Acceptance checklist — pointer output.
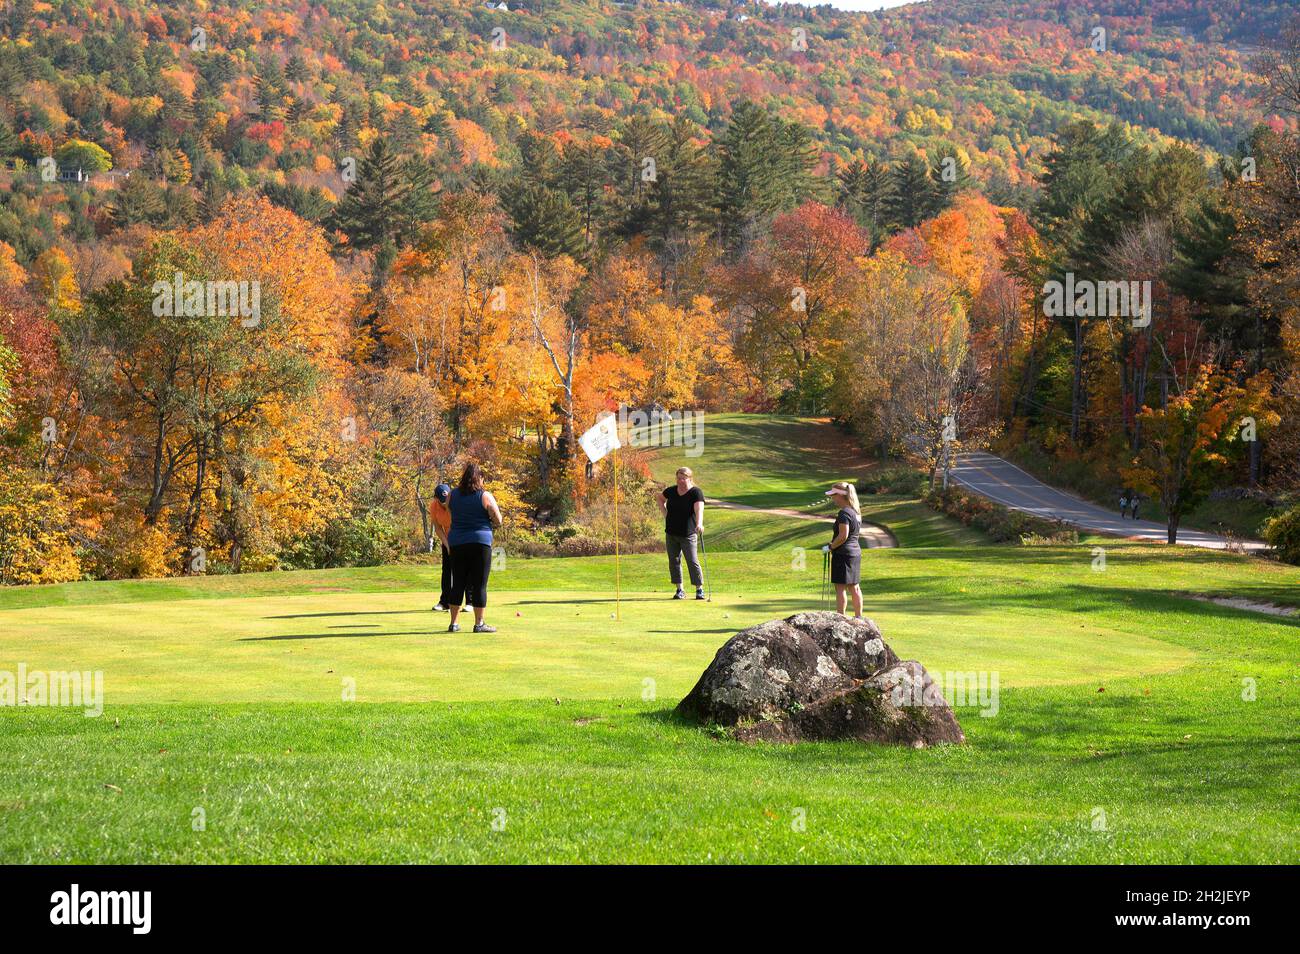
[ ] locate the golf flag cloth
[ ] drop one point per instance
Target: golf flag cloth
(597, 443)
(601, 439)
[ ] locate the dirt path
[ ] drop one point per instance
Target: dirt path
(874, 536)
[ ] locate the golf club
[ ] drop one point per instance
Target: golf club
(826, 568)
(704, 561)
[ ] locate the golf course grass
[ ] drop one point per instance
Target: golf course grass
(328, 716)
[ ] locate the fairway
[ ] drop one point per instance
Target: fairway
(328, 716)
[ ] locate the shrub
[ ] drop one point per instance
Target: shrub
(34, 542)
(895, 480)
(1282, 533)
(370, 538)
(1001, 523)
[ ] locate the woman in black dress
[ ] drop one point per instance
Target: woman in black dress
(845, 548)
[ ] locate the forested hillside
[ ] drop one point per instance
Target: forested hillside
(209, 98)
(269, 269)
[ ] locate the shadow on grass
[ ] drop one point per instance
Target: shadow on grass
(667, 717)
(609, 600)
(358, 613)
(295, 636)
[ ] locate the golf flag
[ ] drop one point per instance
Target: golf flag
(601, 439)
(597, 443)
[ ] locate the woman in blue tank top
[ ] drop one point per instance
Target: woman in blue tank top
(474, 513)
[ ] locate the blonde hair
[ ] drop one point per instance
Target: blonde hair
(685, 472)
(846, 488)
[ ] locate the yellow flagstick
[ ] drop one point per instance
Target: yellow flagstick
(617, 578)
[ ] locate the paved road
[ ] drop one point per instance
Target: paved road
(1005, 483)
(873, 536)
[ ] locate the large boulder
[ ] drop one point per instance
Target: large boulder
(820, 676)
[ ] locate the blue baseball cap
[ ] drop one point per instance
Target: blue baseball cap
(442, 492)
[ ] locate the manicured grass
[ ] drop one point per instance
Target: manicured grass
(744, 530)
(255, 731)
(767, 460)
(1118, 697)
(774, 461)
(562, 643)
(1182, 769)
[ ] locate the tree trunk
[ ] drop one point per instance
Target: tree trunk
(543, 455)
(158, 485)
(568, 434)
(195, 509)
(1076, 391)
(425, 528)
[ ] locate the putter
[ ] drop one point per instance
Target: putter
(704, 560)
(826, 568)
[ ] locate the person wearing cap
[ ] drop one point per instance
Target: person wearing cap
(845, 547)
(683, 510)
(440, 516)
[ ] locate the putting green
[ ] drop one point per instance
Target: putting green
(391, 648)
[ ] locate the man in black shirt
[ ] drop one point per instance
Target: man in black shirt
(683, 508)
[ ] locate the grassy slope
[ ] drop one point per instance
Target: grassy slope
(788, 462)
(205, 712)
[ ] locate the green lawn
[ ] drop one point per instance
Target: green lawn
(773, 461)
(767, 460)
(1118, 698)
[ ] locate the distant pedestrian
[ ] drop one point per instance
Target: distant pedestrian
(1123, 504)
(1133, 502)
(474, 513)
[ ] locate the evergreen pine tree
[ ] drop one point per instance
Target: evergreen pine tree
(680, 200)
(421, 205)
(949, 174)
(910, 193)
(584, 175)
(370, 212)
(539, 160)
(749, 173)
(138, 200)
(865, 194)
(545, 219)
(8, 139)
(1210, 269)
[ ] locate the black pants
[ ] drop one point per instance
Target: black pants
(444, 597)
(470, 563)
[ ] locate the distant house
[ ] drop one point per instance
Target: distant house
(740, 17)
(497, 6)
